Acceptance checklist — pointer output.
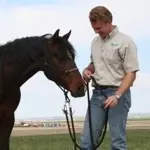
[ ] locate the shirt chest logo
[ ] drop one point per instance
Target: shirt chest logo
(114, 44)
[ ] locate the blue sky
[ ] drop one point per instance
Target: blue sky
(41, 97)
(143, 46)
(37, 2)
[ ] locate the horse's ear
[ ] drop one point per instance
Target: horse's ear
(66, 36)
(56, 34)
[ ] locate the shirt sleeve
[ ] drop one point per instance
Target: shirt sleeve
(130, 61)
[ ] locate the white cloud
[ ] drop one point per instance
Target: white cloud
(140, 93)
(132, 17)
(41, 97)
(142, 81)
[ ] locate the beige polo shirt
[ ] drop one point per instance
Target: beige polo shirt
(113, 57)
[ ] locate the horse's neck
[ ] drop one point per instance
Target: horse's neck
(25, 61)
(32, 53)
(34, 64)
(31, 71)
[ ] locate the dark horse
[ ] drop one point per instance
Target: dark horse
(21, 59)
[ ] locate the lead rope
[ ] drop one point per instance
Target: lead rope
(73, 135)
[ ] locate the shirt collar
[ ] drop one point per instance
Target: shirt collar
(113, 32)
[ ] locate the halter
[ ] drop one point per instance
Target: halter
(65, 72)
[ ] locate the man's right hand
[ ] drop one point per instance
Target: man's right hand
(86, 75)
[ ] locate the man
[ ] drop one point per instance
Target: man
(114, 65)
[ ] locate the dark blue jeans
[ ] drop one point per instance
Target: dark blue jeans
(117, 118)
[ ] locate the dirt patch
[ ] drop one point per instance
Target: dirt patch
(29, 131)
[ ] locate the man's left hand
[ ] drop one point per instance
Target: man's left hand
(111, 102)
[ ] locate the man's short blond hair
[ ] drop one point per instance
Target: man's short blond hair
(100, 13)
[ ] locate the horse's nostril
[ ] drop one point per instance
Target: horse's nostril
(80, 88)
(79, 92)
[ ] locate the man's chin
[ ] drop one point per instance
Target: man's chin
(103, 36)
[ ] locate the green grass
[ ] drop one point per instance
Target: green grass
(137, 140)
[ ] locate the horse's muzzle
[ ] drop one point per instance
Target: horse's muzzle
(80, 92)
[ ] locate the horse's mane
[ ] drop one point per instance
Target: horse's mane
(21, 44)
(33, 44)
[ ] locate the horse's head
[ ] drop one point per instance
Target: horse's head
(60, 65)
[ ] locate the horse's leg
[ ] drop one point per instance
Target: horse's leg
(6, 126)
(7, 108)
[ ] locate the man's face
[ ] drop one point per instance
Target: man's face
(102, 28)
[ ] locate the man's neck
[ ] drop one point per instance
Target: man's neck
(112, 27)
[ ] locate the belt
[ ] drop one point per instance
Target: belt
(105, 86)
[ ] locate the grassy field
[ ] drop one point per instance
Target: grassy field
(137, 140)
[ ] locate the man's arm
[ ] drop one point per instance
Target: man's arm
(126, 83)
(90, 67)
(131, 66)
(87, 72)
